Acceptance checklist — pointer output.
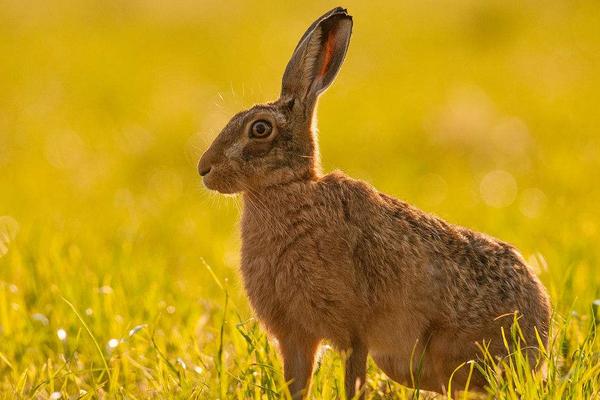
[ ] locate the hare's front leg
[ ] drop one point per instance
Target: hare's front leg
(298, 352)
(356, 370)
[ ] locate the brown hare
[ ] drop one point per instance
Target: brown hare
(328, 257)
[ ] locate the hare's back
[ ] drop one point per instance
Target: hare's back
(469, 277)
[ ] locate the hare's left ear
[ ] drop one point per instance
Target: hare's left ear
(318, 56)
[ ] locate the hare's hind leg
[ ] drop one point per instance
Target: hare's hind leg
(452, 356)
(298, 352)
(356, 370)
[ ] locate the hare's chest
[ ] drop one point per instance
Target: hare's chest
(279, 274)
(291, 283)
(269, 269)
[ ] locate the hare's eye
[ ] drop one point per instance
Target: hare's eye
(261, 129)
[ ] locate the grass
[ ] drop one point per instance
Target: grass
(118, 271)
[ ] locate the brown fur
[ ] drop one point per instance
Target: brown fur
(327, 257)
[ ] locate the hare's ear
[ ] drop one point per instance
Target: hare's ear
(318, 56)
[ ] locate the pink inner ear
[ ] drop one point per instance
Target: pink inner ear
(329, 45)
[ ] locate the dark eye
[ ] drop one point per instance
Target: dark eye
(261, 129)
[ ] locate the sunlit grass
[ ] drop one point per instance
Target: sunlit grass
(118, 271)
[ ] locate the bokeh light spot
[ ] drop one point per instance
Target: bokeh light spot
(532, 202)
(498, 189)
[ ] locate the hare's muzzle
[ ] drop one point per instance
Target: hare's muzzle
(205, 163)
(203, 170)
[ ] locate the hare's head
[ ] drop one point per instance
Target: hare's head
(274, 143)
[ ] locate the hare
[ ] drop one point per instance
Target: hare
(328, 257)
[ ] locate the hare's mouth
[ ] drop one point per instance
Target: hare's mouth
(214, 181)
(209, 182)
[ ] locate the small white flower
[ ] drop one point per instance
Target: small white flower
(113, 343)
(198, 369)
(55, 396)
(62, 334)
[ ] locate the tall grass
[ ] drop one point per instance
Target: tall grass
(118, 271)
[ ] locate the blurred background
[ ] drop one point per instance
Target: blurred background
(484, 113)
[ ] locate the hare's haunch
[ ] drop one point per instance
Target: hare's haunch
(328, 257)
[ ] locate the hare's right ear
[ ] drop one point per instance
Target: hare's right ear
(318, 56)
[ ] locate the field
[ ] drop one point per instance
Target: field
(119, 271)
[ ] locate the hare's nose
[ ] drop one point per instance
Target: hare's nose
(203, 171)
(204, 167)
(206, 162)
